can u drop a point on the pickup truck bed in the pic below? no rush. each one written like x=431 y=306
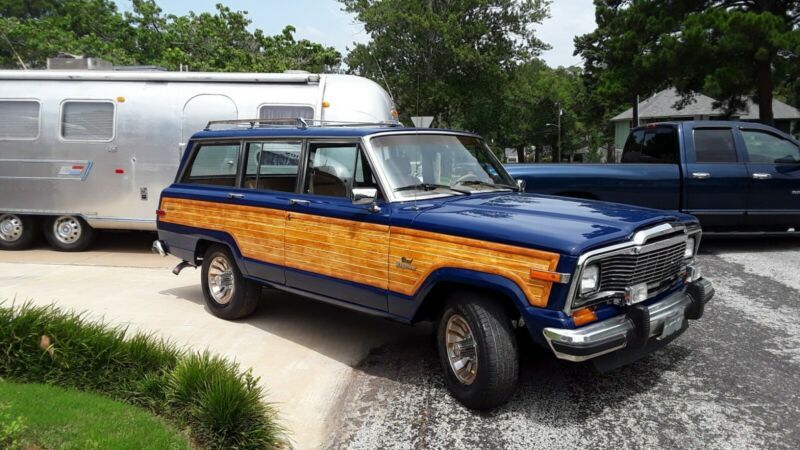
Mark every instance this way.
x=734 y=176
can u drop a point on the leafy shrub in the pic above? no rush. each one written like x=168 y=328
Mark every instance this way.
x=10 y=430
x=219 y=404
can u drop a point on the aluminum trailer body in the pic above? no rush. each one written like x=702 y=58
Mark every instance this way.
x=100 y=146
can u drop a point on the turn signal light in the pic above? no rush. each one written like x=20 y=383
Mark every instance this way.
x=583 y=316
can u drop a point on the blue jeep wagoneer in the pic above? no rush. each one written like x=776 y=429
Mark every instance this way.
x=417 y=225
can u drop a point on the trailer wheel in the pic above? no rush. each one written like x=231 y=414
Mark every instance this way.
x=16 y=232
x=68 y=233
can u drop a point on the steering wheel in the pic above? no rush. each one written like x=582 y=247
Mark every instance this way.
x=468 y=177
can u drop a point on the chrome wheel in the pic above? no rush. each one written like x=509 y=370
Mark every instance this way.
x=462 y=350
x=11 y=228
x=67 y=229
x=220 y=280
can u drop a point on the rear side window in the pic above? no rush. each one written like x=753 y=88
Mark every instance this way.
x=19 y=119
x=767 y=148
x=285 y=112
x=87 y=121
x=714 y=145
x=651 y=146
x=214 y=164
x=272 y=166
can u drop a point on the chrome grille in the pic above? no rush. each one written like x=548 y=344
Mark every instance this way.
x=654 y=267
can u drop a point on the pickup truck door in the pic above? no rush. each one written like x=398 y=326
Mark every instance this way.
x=333 y=247
x=773 y=163
x=716 y=178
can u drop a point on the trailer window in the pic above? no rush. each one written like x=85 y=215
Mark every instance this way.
x=87 y=121
x=272 y=166
x=214 y=164
x=19 y=119
x=285 y=112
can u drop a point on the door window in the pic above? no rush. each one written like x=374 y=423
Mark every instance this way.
x=767 y=148
x=651 y=146
x=331 y=168
x=714 y=145
x=272 y=166
x=214 y=164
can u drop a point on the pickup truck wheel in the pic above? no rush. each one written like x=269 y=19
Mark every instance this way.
x=227 y=293
x=478 y=351
x=16 y=232
x=68 y=233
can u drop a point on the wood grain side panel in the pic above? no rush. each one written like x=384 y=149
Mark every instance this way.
x=431 y=251
x=345 y=249
x=258 y=232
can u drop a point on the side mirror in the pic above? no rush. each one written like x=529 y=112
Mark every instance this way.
x=364 y=196
x=521 y=184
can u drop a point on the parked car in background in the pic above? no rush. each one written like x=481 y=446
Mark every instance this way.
x=88 y=149
x=419 y=224
x=733 y=176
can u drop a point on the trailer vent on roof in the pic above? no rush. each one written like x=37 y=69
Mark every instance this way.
x=72 y=62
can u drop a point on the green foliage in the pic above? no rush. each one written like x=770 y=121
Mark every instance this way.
x=447 y=59
x=66 y=419
x=32 y=31
x=211 y=397
x=11 y=429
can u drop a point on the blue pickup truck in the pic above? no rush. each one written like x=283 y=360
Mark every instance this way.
x=733 y=176
x=420 y=225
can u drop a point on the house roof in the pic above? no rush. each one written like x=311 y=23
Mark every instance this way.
x=662 y=106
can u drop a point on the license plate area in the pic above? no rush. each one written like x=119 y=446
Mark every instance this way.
x=671 y=325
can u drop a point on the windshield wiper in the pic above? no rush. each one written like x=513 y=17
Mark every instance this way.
x=483 y=183
x=429 y=187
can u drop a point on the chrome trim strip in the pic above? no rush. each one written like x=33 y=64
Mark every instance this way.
x=615 y=327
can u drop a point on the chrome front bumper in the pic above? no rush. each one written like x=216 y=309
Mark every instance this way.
x=666 y=320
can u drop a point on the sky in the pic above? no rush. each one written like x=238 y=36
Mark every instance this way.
x=323 y=21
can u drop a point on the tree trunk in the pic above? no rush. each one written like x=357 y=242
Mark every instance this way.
x=765 y=114
x=521 y=153
x=635 y=118
x=611 y=154
x=537 y=153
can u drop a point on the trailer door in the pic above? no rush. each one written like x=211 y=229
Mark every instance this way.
x=200 y=109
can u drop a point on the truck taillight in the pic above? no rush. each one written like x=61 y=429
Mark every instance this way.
x=160 y=213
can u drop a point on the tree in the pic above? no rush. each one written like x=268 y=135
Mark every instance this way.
x=448 y=59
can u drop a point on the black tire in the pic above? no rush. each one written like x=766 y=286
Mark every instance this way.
x=495 y=378
x=245 y=293
x=17 y=232
x=76 y=237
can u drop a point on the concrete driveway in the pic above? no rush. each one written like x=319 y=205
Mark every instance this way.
x=303 y=351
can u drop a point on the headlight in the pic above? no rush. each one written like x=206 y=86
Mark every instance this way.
x=689 y=252
x=590 y=279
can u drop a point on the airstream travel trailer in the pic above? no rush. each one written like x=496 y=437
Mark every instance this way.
x=84 y=150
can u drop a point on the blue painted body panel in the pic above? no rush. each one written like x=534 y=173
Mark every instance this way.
x=727 y=198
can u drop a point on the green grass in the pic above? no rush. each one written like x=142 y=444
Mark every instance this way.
x=217 y=403
x=57 y=418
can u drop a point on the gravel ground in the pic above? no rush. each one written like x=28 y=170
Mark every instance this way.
x=731 y=381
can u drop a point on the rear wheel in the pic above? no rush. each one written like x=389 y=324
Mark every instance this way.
x=227 y=293
x=69 y=233
x=478 y=351
x=16 y=232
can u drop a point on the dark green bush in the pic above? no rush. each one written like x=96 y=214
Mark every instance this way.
x=218 y=403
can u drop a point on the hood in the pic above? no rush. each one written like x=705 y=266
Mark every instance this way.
x=564 y=225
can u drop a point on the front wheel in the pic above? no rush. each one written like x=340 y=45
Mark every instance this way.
x=478 y=351
x=227 y=293
x=69 y=233
x=16 y=232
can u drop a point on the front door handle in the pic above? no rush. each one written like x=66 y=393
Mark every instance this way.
x=701 y=175
x=235 y=195
x=296 y=201
x=761 y=176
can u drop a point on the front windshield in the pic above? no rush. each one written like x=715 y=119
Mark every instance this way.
x=438 y=164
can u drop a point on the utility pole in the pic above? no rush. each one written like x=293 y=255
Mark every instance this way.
x=559 y=132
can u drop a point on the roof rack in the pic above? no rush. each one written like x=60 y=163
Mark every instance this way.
x=298 y=122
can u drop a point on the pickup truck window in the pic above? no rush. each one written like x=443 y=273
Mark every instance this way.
x=214 y=164
x=651 y=146
x=714 y=145
x=767 y=148
x=272 y=166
